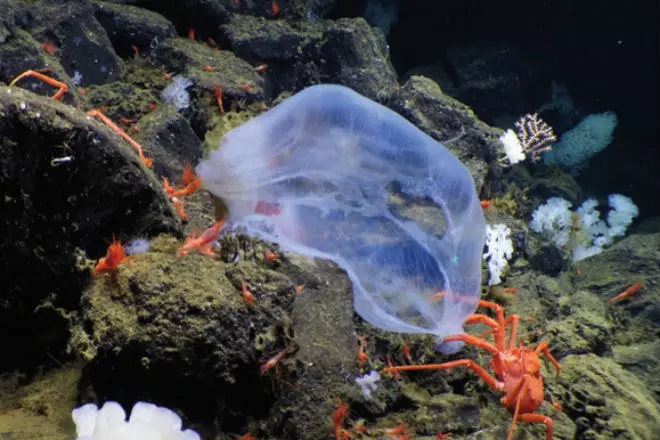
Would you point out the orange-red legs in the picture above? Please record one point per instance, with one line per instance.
(190, 183)
(405, 351)
(47, 79)
(517, 368)
(48, 47)
(202, 244)
(362, 357)
(99, 114)
(626, 293)
(248, 297)
(218, 97)
(338, 419)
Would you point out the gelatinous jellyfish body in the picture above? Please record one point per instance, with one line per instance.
(354, 182)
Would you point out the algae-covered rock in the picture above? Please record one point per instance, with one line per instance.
(72, 35)
(129, 26)
(165, 319)
(642, 360)
(347, 52)
(583, 327)
(322, 321)
(41, 409)
(606, 401)
(169, 140)
(422, 102)
(207, 67)
(634, 259)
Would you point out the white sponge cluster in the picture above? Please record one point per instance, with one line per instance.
(500, 250)
(146, 422)
(176, 93)
(553, 220)
(368, 383)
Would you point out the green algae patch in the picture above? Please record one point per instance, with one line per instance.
(221, 126)
(606, 401)
(142, 83)
(41, 409)
(642, 360)
(583, 328)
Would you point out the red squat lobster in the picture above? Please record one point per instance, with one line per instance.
(518, 369)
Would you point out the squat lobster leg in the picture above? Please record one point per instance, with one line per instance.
(468, 363)
(543, 348)
(99, 114)
(47, 79)
(539, 418)
(517, 367)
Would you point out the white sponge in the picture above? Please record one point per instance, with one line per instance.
(584, 141)
(176, 93)
(622, 214)
(146, 422)
(553, 219)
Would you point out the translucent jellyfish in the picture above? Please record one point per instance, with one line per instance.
(329, 173)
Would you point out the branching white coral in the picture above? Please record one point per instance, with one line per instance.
(500, 250)
(533, 138)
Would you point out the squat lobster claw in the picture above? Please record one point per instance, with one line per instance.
(518, 369)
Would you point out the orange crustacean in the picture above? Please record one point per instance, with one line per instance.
(202, 244)
(114, 256)
(96, 113)
(516, 367)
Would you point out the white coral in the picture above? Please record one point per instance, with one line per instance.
(500, 250)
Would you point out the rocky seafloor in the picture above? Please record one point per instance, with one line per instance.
(176, 331)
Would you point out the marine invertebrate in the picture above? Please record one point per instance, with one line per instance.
(92, 113)
(517, 368)
(328, 173)
(114, 257)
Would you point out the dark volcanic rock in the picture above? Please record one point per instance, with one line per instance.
(347, 52)
(207, 68)
(549, 260)
(170, 141)
(422, 102)
(129, 26)
(79, 43)
(170, 320)
(51, 212)
(356, 55)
